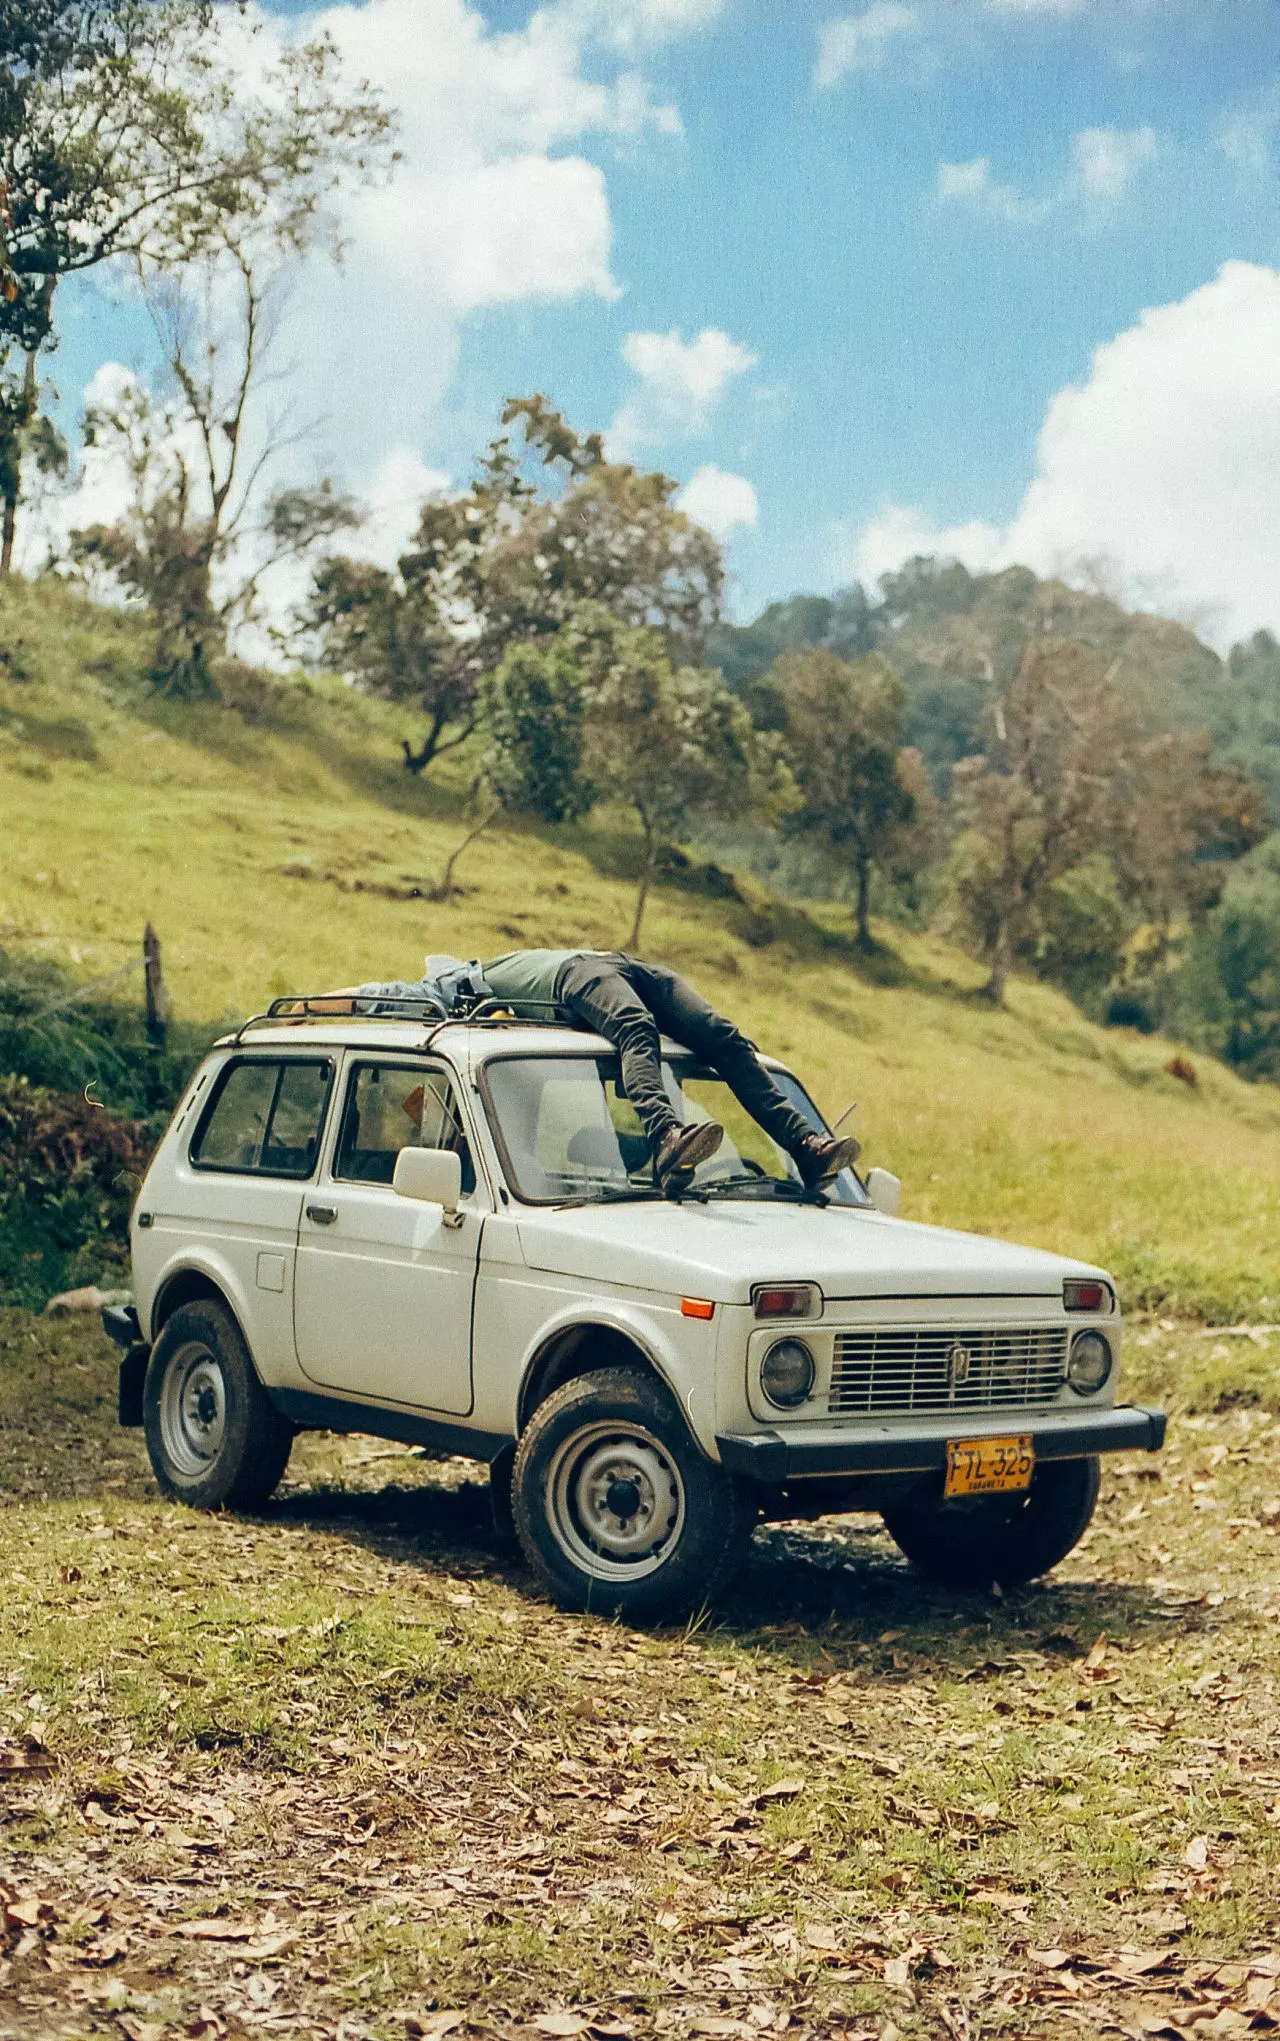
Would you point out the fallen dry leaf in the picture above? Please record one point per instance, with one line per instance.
(1196, 1854)
(217, 1930)
(432, 2026)
(782, 1789)
(819, 1936)
(564, 2024)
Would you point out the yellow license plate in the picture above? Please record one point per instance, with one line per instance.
(989, 1466)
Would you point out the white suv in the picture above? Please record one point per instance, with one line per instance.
(446, 1233)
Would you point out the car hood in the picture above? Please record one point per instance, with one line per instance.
(719, 1250)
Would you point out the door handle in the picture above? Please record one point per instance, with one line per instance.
(324, 1215)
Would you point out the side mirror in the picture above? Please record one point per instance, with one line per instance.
(431, 1175)
(884, 1190)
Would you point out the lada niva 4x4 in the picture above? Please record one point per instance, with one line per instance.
(447, 1233)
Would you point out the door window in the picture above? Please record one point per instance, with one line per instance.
(390, 1106)
(265, 1118)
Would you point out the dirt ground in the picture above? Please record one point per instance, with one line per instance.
(336, 1771)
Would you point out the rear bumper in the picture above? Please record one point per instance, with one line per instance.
(772, 1458)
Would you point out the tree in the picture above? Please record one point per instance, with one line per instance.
(534, 709)
(1037, 800)
(546, 525)
(1179, 820)
(843, 727)
(672, 744)
(198, 532)
(126, 132)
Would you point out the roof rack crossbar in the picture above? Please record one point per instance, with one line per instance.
(298, 1006)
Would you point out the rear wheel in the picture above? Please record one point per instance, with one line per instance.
(616, 1508)
(1009, 1538)
(213, 1434)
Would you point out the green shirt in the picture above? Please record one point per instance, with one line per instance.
(525, 980)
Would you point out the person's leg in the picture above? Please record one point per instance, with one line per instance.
(684, 1014)
(593, 991)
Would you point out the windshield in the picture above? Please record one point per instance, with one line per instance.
(567, 1130)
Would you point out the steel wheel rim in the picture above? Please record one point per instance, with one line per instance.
(616, 1500)
(193, 1410)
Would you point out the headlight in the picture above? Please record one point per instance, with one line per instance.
(787, 1373)
(1090, 1364)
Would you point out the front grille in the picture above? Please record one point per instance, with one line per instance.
(894, 1369)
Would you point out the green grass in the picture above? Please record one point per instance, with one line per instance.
(279, 847)
(347, 1735)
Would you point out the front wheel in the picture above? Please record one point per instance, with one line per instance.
(616, 1508)
(213, 1434)
(1010, 1539)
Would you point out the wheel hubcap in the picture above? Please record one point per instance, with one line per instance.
(193, 1410)
(616, 1500)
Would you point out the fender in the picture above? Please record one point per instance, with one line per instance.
(636, 1326)
(209, 1264)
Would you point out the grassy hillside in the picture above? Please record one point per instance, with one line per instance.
(281, 845)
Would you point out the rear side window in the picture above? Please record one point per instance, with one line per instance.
(265, 1118)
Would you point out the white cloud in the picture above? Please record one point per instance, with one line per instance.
(1247, 137)
(1164, 465)
(681, 384)
(1107, 159)
(860, 42)
(1038, 6)
(1104, 163)
(523, 228)
(719, 501)
(497, 201)
(972, 184)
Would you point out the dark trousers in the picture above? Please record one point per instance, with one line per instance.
(632, 1004)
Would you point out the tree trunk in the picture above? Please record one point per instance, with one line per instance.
(1001, 960)
(446, 886)
(864, 891)
(646, 879)
(30, 399)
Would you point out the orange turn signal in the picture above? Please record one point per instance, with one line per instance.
(697, 1307)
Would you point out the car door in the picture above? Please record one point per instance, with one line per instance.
(384, 1286)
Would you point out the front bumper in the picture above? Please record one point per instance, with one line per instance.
(772, 1457)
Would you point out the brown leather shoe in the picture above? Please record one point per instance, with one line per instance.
(825, 1157)
(683, 1148)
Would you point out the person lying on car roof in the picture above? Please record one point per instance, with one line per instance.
(632, 1004)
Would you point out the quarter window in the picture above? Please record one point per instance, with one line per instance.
(265, 1118)
(391, 1106)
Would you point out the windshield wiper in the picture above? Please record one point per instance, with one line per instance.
(610, 1194)
(772, 1186)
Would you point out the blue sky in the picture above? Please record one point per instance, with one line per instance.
(908, 225)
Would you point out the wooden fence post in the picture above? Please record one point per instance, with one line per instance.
(157, 997)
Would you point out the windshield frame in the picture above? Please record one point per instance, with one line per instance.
(589, 1054)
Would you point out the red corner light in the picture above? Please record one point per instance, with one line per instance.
(1084, 1293)
(786, 1300)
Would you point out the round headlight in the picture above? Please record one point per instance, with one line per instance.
(1090, 1363)
(787, 1373)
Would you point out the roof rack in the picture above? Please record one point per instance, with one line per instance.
(300, 1006)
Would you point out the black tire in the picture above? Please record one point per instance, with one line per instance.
(617, 1509)
(1010, 1539)
(213, 1434)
